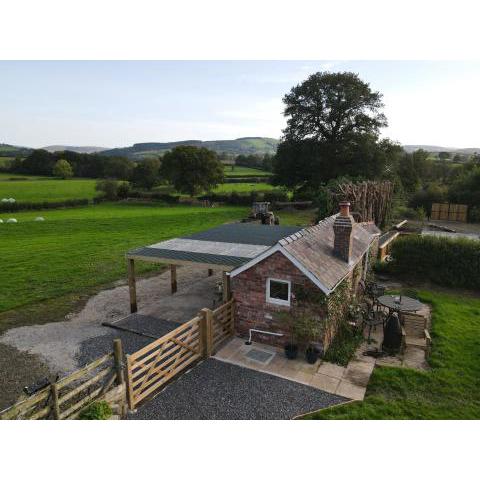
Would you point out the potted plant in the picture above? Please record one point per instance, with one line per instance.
(312, 353)
(307, 331)
(291, 345)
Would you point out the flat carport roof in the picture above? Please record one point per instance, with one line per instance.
(226, 247)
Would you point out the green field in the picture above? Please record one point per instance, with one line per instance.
(40, 190)
(78, 248)
(245, 172)
(450, 390)
(243, 187)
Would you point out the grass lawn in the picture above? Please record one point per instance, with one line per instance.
(245, 172)
(450, 390)
(46, 190)
(243, 187)
(296, 217)
(78, 248)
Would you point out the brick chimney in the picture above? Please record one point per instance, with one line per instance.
(342, 229)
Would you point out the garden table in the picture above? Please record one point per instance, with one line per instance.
(400, 303)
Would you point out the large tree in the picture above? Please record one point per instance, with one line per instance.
(191, 169)
(333, 125)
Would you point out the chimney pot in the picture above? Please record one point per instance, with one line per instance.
(345, 209)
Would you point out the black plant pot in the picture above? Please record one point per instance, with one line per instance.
(291, 351)
(311, 354)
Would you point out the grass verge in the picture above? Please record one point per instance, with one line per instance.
(450, 390)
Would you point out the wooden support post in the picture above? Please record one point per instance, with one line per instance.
(173, 278)
(206, 326)
(131, 285)
(130, 397)
(226, 287)
(55, 404)
(210, 272)
(118, 359)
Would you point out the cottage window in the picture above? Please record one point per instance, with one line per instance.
(278, 291)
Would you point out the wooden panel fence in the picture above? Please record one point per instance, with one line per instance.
(67, 397)
(449, 211)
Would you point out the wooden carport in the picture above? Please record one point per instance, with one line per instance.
(225, 247)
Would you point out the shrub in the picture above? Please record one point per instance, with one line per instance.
(343, 346)
(445, 261)
(18, 206)
(123, 190)
(96, 411)
(108, 188)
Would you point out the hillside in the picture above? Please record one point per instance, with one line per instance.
(436, 149)
(61, 148)
(239, 146)
(7, 150)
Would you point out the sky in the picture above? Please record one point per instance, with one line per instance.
(119, 103)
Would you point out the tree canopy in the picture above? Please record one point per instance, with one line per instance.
(62, 169)
(192, 169)
(333, 125)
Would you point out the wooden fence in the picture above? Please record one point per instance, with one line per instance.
(67, 397)
(449, 211)
(154, 365)
(222, 324)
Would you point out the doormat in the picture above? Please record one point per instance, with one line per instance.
(260, 356)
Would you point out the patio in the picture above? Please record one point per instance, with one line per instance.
(350, 381)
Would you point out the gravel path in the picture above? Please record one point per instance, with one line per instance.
(98, 346)
(215, 390)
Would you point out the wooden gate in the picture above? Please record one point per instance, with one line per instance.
(151, 367)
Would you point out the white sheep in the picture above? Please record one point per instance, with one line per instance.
(39, 219)
(12, 220)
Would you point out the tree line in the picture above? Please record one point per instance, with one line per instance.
(334, 122)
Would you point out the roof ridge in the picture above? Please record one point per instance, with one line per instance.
(305, 231)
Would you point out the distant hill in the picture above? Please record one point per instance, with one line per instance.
(239, 146)
(61, 148)
(7, 150)
(436, 149)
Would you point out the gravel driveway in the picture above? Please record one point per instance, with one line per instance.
(215, 390)
(131, 342)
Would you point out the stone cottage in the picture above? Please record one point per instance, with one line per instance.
(316, 269)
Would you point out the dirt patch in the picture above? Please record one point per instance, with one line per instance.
(59, 344)
(18, 369)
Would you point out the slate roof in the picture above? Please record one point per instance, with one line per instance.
(313, 248)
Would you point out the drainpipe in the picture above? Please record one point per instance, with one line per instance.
(249, 342)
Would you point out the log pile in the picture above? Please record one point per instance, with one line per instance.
(371, 199)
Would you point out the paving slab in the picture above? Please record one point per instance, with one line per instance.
(331, 370)
(324, 382)
(349, 390)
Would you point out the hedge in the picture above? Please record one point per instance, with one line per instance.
(445, 261)
(18, 206)
(236, 198)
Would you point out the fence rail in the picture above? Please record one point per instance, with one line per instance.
(222, 325)
(67, 397)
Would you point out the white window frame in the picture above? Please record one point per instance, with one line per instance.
(277, 301)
